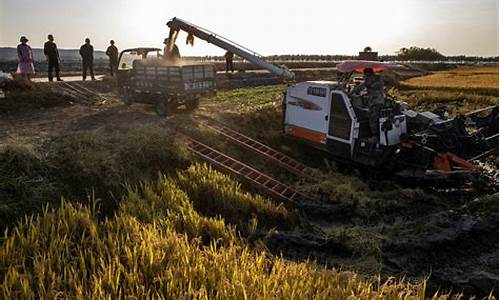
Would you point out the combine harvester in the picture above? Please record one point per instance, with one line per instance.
(328, 116)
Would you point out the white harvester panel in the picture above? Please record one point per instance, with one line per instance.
(393, 135)
(307, 110)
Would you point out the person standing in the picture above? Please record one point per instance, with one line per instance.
(87, 53)
(374, 85)
(229, 61)
(112, 53)
(52, 55)
(25, 57)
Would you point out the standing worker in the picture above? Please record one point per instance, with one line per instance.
(174, 56)
(229, 61)
(374, 85)
(52, 55)
(87, 53)
(25, 57)
(112, 52)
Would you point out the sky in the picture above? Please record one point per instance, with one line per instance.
(268, 27)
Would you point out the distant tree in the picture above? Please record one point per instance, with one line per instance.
(417, 53)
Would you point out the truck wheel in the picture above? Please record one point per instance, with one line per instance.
(192, 104)
(163, 107)
(127, 98)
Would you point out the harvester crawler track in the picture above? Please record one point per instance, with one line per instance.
(232, 166)
(278, 158)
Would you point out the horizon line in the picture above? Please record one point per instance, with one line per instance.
(309, 54)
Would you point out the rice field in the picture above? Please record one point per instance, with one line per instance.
(459, 90)
(158, 247)
(127, 230)
(140, 219)
(483, 80)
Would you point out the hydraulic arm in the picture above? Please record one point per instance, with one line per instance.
(177, 24)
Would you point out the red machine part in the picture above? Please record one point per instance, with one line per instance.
(447, 161)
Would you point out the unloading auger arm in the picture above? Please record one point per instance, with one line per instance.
(177, 24)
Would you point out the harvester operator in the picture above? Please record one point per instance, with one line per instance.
(174, 56)
(374, 85)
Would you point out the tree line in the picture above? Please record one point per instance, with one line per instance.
(412, 53)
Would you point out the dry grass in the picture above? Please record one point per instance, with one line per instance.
(23, 97)
(216, 194)
(25, 183)
(473, 79)
(454, 101)
(459, 90)
(68, 253)
(163, 201)
(101, 161)
(74, 166)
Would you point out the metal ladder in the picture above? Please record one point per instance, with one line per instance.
(278, 158)
(261, 181)
(81, 91)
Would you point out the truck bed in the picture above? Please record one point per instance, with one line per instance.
(155, 76)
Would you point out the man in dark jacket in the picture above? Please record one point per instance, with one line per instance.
(374, 85)
(87, 53)
(229, 56)
(52, 55)
(112, 53)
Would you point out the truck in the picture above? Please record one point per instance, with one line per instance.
(144, 76)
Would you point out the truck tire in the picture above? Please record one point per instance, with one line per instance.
(192, 104)
(127, 98)
(163, 107)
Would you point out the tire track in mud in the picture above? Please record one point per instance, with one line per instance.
(452, 239)
(458, 248)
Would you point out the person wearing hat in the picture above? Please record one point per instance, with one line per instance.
(112, 53)
(87, 53)
(25, 57)
(229, 56)
(52, 55)
(374, 85)
(173, 56)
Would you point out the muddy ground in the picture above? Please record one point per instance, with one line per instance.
(386, 227)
